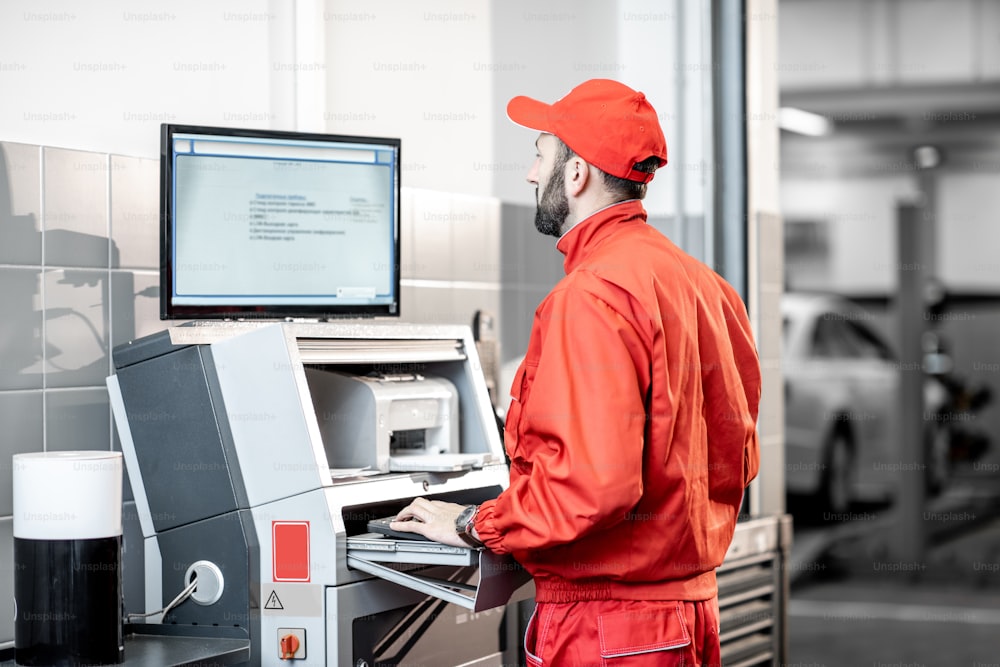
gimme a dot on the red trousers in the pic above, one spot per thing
(624, 633)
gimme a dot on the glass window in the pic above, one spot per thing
(830, 339)
(842, 336)
(866, 342)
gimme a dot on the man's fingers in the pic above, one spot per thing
(434, 519)
(410, 516)
(407, 526)
(428, 507)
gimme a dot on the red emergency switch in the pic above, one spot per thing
(292, 643)
(289, 645)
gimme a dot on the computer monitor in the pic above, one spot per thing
(269, 224)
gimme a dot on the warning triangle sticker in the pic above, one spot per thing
(273, 602)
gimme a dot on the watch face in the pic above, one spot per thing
(464, 519)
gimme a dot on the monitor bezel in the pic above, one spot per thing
(221, 311)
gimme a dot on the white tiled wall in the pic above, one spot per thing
(78, 232)
(450, 256)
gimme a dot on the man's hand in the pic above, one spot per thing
(434, 519)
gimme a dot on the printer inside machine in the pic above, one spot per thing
(389, 422)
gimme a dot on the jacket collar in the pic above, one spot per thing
(577, 243)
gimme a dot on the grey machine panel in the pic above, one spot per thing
(169, 400)
(229, 542)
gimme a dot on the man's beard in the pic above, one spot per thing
(553, 208)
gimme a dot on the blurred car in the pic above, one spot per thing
(841, 412)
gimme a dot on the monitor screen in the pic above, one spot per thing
(272, 224)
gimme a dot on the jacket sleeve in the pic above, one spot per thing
(577, 443)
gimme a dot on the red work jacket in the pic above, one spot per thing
(632, 429)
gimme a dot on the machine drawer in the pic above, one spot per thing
(478, 581)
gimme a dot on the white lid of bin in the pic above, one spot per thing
(69, 495)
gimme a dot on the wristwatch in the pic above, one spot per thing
(464, 523)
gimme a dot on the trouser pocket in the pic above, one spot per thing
(640, 637)
(531, 641)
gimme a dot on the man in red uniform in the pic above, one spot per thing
(632, 429)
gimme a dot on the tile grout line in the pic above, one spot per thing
(41, 295)
(108, 297)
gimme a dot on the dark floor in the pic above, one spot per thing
(856, 602)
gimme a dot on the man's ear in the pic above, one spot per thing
(577, 175)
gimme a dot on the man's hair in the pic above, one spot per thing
(563, 154)
(625, 189)
(621, 188)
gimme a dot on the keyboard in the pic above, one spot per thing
(381, 526)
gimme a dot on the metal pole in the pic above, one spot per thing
(909, 542)
(679, 150)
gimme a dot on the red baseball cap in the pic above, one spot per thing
(603, 121)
